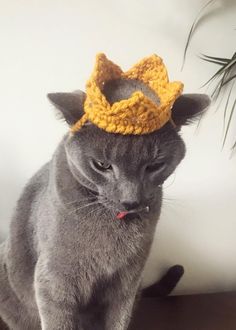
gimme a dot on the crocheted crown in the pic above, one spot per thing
(137, 114)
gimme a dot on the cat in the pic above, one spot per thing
(69, 262)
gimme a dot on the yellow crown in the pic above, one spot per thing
(137, 114)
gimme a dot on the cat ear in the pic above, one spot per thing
(70, 105)
(189, 107)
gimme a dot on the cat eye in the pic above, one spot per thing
(102, 166)
(155, 167)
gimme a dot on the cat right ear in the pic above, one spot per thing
(70, 105)
(188, 108)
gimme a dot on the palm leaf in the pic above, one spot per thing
(229, 121)
(224, 77)
(226, 106)
(234, 146)
(218, 89)
(212, 61)
(228, 80)
(220, 59)
(226, 67)
(192, 29)
(221, 79)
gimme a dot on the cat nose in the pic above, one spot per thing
(129, 205)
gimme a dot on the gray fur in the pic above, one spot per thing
(122, 89)
(68, 262)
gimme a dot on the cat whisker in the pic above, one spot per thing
(84, 206)
(169, 199)
(81, 200)
(107, 203)
(99, 200)
(94, 211)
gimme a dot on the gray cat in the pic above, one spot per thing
(69, 262)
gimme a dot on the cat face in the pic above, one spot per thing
(124, 170)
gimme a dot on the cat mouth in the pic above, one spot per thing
(123, 214)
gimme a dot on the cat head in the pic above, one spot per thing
(125, 171)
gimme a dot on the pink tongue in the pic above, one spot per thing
(121, 215)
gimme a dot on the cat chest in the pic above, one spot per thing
(110, 252)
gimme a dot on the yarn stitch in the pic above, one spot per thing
(137, 114)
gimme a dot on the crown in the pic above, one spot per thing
(137, 114)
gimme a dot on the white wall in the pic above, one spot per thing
(50, 46)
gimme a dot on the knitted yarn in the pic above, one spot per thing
(137, 114)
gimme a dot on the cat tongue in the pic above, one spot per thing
(121, 215)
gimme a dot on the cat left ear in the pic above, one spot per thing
(70, 105)
(188, 108)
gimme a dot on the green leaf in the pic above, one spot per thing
(212, 61)
(226, 106)
(227, 66)
(221, 100)
(234, 146)
(192, 30)
(220, 59)
(219, 86)
(229, 121)
(214, 76)
(228, 80)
